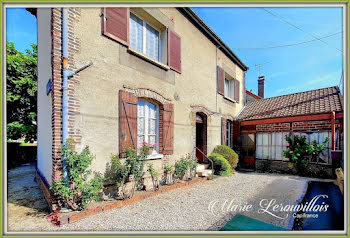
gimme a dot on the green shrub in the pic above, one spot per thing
(77, 190)
(181, 168)
(221, 165)
(228, 153)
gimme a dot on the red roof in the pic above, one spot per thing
(304, 103)
(253, 95)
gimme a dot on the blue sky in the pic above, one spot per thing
(20, 28)
(287, 70)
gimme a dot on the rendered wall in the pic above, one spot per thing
(44, 101)
(97, 88)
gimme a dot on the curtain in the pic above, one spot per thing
(136, 33)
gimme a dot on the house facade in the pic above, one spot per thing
(264, 123)
(155, 75)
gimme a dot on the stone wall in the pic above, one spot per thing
(285, 167)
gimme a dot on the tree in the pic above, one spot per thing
(21, 93)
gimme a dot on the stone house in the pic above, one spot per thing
(264, 123)
(128, 75)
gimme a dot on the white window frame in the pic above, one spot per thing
(146, 121)
(144, 35)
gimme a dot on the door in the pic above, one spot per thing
(199, 141)
(201, 137)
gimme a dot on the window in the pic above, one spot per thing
(248, 144)
(271, 145)
(147, 123)
(144, 38)
(229, 130)
(229, 88)
(319, 137)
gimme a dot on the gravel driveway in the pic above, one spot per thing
(186, 209)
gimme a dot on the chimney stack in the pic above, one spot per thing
(261, 86)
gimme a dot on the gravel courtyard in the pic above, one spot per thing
(184, 209)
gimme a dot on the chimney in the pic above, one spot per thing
(261, 86)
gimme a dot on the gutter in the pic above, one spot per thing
(212, 36)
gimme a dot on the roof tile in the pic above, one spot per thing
(309, 102)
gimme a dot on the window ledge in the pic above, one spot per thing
(230, 99)
(154, 156)
(145, 57)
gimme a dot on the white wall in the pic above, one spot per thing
(44, 101)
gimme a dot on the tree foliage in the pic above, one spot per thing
(21, 94)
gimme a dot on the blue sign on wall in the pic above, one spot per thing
(48, 87)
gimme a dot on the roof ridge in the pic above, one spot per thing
(337, 88)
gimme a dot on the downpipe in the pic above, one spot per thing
(64, 87)
(66, 75)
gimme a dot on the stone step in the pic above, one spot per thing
(201, 167)
(204, 173)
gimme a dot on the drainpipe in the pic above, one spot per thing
(64, 86)
(66, 74)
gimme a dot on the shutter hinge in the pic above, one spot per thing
(104, 15)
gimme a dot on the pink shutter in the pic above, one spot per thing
(127, 122)
(220, 80)
(174, 51)
(237, 91)
(168, 129)
(115, 23)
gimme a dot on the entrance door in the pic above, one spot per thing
(201, 134)
(199, 141)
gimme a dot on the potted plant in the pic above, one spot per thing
(148, 148)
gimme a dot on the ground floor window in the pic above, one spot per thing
(248, 145)
(319, 137)
(271, 145)
(147, 123)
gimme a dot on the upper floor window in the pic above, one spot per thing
(229, 90)
(146, 34)
(144, 38)
(147, 123)
(227, 85)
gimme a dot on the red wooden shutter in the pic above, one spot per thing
(220, 80)
(127, 122)
(174, 51)
(168, 129)
(115, 23)
(223, 131)
(237, 91)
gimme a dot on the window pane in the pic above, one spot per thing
(250, 139)
(258, 146)
(152, 126)
(136, 33)
(152, 111)
(140, 139)
(152, 42)
(140, 126)
(232, 91)
(226, 89)
(140, 108)
(152, 140)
